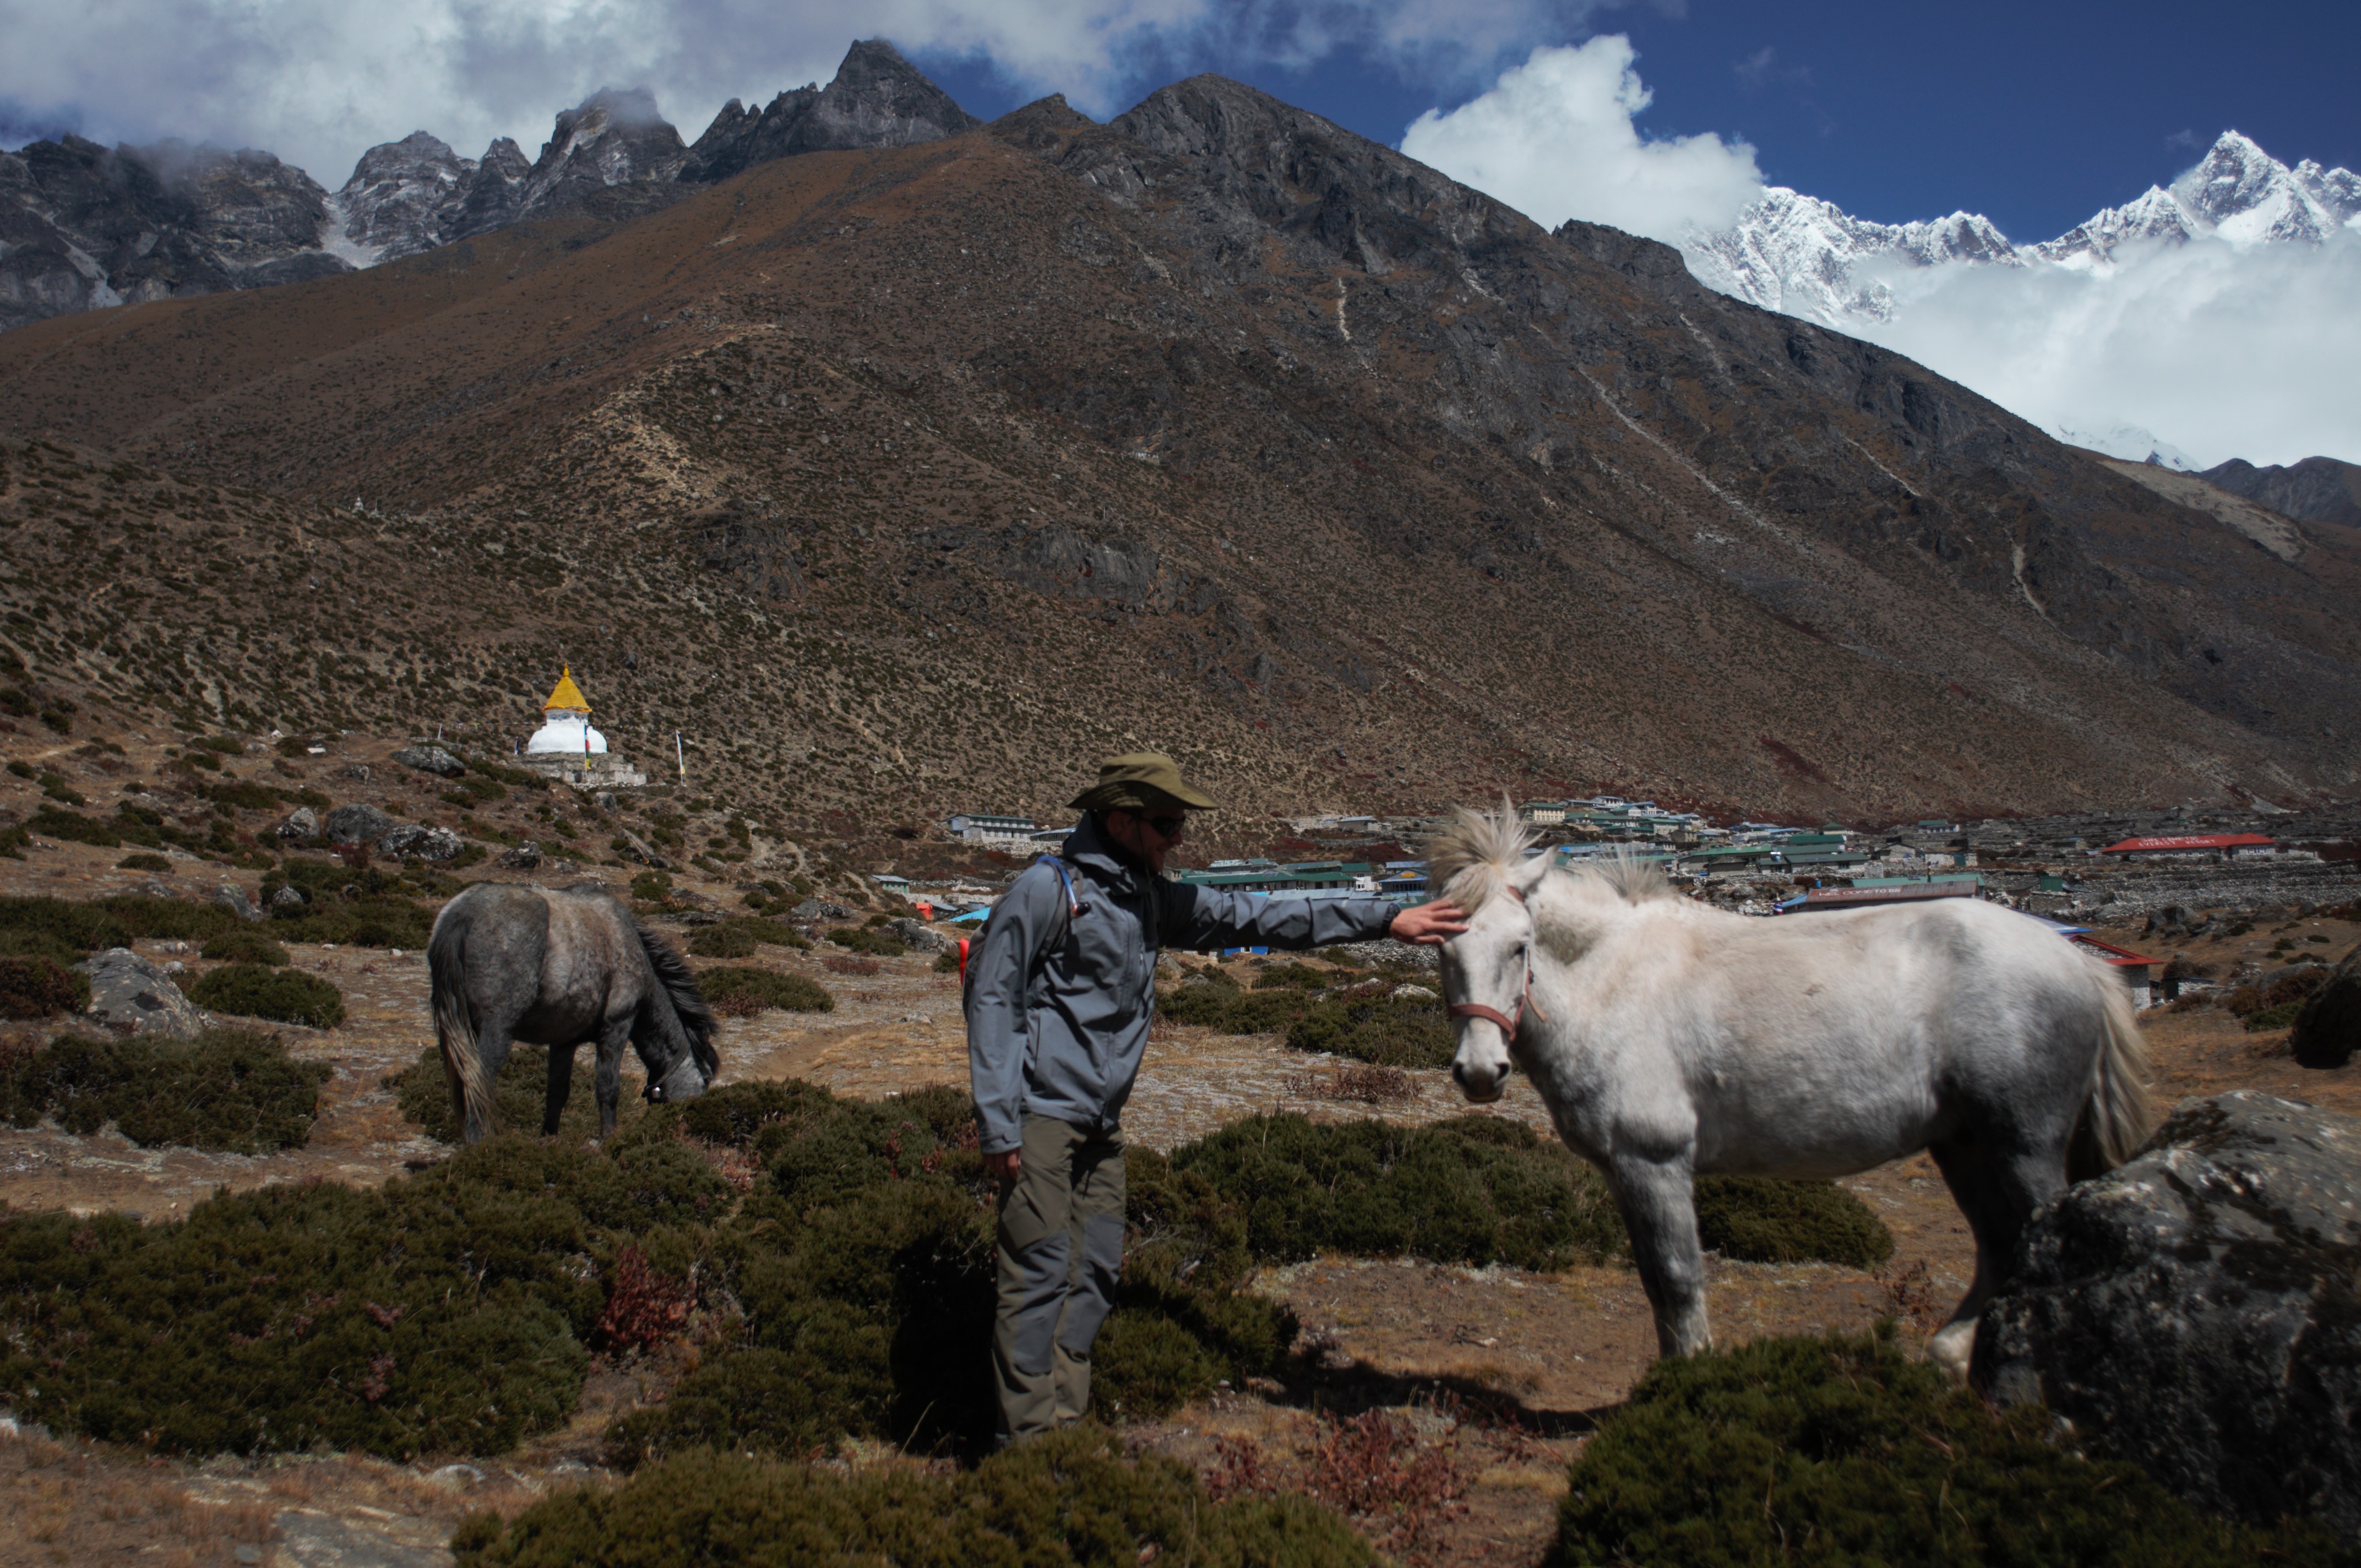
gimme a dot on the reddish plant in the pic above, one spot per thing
(355, 855)
(1240, 1470)
(643, 1308)
(1374, 1468)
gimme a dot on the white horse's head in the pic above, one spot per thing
(1487, 970)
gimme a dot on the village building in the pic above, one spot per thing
(2194, 846)
(566, 747)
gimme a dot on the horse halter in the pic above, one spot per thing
(1509, 1023)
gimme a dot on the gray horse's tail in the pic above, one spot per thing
(2117, 1118)
(680, 984)
(454, 1027)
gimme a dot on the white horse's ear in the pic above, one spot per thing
(1527, 877)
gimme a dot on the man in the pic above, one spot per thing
(1062, 991)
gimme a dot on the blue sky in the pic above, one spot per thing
(2034, 114)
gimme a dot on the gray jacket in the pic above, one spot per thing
(1058, 1003)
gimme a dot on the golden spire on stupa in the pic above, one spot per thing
(565, 696)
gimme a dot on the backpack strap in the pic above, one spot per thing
(1066, 879)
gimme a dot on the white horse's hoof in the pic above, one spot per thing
(1952, 1346)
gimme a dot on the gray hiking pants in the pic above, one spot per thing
(1060, 1253)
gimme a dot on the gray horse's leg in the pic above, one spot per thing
(561, 1087)
(1997, 1188)
(1659, 1206)
(613, 1036)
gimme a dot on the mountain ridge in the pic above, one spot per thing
(908, 476)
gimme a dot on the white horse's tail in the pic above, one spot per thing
(2117, 1118)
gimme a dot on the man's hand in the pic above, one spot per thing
(1429, 924)
(1003, 1166)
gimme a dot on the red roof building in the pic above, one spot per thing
(2193, 844)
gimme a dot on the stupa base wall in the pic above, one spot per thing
(599, 770)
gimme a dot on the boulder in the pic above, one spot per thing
(431, 760)
(2195, 1312)
(302, 823)
(422, 843)
(524, 856)
(128, 995)
(2328, 1030)
(634, 848)
(819, 909)
(288, 897)
(357, 824)
(359, 770)
(916, 936)
(232, 897)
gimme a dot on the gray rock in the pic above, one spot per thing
(819, 909)
(302, 823)
(431, 760)
(2328, 1030)
(638, 849)
(233, 898)
(916, 936)
(128, 995)
(2194, 1311)
(421, 843)
(357, 824)
(288, 897)
(524, 856)
(357, 771)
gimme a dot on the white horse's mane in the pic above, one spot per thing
(1471, 857)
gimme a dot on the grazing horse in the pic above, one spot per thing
(555, 968)
(1671, 1039)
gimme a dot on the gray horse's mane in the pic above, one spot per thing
(1472, 856)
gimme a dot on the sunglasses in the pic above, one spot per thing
(1166, 826)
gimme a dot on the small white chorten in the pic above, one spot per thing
(565, 723)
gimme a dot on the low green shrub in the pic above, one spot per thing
(244, 945)
(1386, 1031)
(2281, 1016)
(741, 992)
(1845, 1450)
(861, 939)
(738, 936)
(1474, 1189)
(1762, 1221)
(39, 987)
(259, 991)
(53, 822)
(1222, 1007)
(70, 931)
(651, 887)
(422, 1090)
(230, 1089)
(946, 963)
(1066, 1501)
(446, 1312)
(1304, 976)
(143, 862)
(245, 795)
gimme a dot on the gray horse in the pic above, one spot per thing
(556, 968)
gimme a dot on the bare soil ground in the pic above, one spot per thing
(1493, 1375)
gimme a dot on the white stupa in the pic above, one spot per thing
(567, 749)
(565, 722)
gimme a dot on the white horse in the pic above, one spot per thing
(1672, 1040)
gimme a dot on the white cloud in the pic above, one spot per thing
(2222, 350)
(1553, 138)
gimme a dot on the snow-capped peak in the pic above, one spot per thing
(1808, 258)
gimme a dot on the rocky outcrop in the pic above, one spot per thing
(919, 938)
(421, 843)
(84, 227)
(2318, 490)
(2328, 1031)
(431, 760)
(403, 197)
(877, 99)
(302, 823)
(128, 995)
(613, 139)
(234, 898)
(358, 823)
(2196, 1311)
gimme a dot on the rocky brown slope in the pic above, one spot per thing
(907, 477)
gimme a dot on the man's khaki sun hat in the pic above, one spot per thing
(1144, 782)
